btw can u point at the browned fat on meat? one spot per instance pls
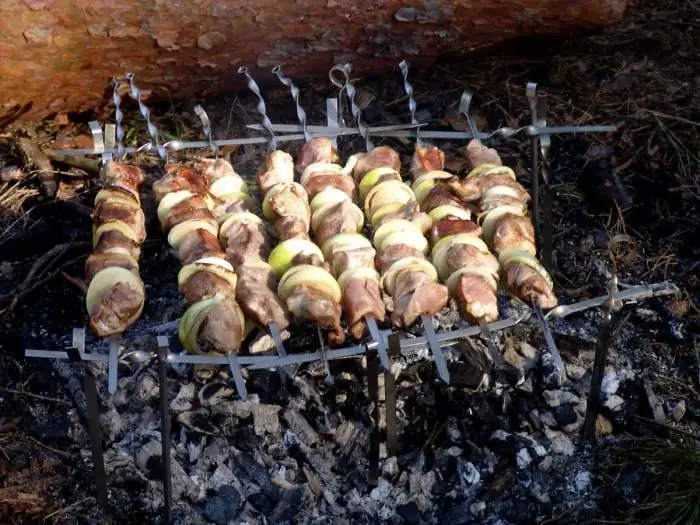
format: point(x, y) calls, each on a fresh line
point(188, 209)
point(116, 239)
point(410, 212)
point(257, 298)
point(340, 218)
point(309, 258)
point(318, 149)
point(311, 305)
point(99, 261)
point(425, 160)
point(244, 240)
point(117, 309)
point(478, 154)
point(362, 298)
point(292, 202)
point(113, 210)
point(472, 189)
point(514, 231)
point(441, 196)
point(379, 157)
point(123, 176)
point(354, 258)
point(203, 284)
point(320, 181)
point(199, 244)
point(181, 177)
point(416, 294)
point(394, 253)
point(476, 298)
point(221, 330)
point(278, 168)
point(291, 228)
point(525, 282)
point(467, 256)
point(222, 207)
point(452, 226)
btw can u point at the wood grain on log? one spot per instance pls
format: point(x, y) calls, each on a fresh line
point(59, 55)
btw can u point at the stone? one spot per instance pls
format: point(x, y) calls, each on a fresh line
point(201, 58)
point(560, 442)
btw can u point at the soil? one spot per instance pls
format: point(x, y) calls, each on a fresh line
point(626, 202)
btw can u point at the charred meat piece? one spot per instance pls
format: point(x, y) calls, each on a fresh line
point(478, 154)
point(395, 253)
point(278, 167)
point(451, 226)
point(199, 244)
point(416, 294)
point(472, 189)
point(120, 306)
point(425, 160)
point(525, 283)
point(112, 210)
point(122, 176)
point(309, 304)
point(320, 181)
point(203, 284)
point(256, 295)
point(514, 231)
point(291, 228)
point(244, 241)
point(379, 157)
point(476, 298)
point(318, 149)
point(222, 330)
point(362, 298)
point(410, 212)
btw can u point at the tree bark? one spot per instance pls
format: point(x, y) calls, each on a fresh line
point(59, 55)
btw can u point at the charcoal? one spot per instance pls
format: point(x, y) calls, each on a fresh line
point(265, 419)
point(253, 471)
point(222, 508)
point(300, 426)
point(289, 504)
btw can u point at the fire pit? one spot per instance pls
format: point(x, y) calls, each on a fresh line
point(246, 437)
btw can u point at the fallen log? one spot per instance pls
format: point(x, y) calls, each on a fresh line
point(58, 56)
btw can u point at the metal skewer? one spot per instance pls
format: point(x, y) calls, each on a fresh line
point(301, 115)
point(272, 146)
point(340, 76)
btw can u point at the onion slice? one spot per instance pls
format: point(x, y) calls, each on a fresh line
point(214, 265)
point(450, 209)
point(283, 254)
point(171, 200)
point(372, 177)
point(105, 280)
point(180, 231)
point(369, 274)
point(388, 192)
point(388, 280)
point(311, 276)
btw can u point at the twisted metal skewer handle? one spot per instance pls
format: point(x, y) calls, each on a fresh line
point(344, 71)
point(118, 118)
point(301, 114)
point(206, 127)
point(262, 109)
point(146, 113)
point(412, 106)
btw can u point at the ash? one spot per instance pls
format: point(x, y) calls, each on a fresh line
point(297, 452)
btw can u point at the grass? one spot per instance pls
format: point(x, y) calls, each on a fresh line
point(673, 495)
point(12, 215)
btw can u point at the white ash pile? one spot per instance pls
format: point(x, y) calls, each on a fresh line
point(475, 450)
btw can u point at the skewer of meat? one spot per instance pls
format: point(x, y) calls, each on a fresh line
point(115, 292)
point(214, 321)
point(336, 222)
point(506, 227)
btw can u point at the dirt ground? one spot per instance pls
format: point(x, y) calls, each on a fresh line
point(631, 198)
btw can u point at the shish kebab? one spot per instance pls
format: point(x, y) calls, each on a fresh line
point(336, 222)
point(463, 261)
point(399, 229)
point(214, 321)
point(308, 289)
